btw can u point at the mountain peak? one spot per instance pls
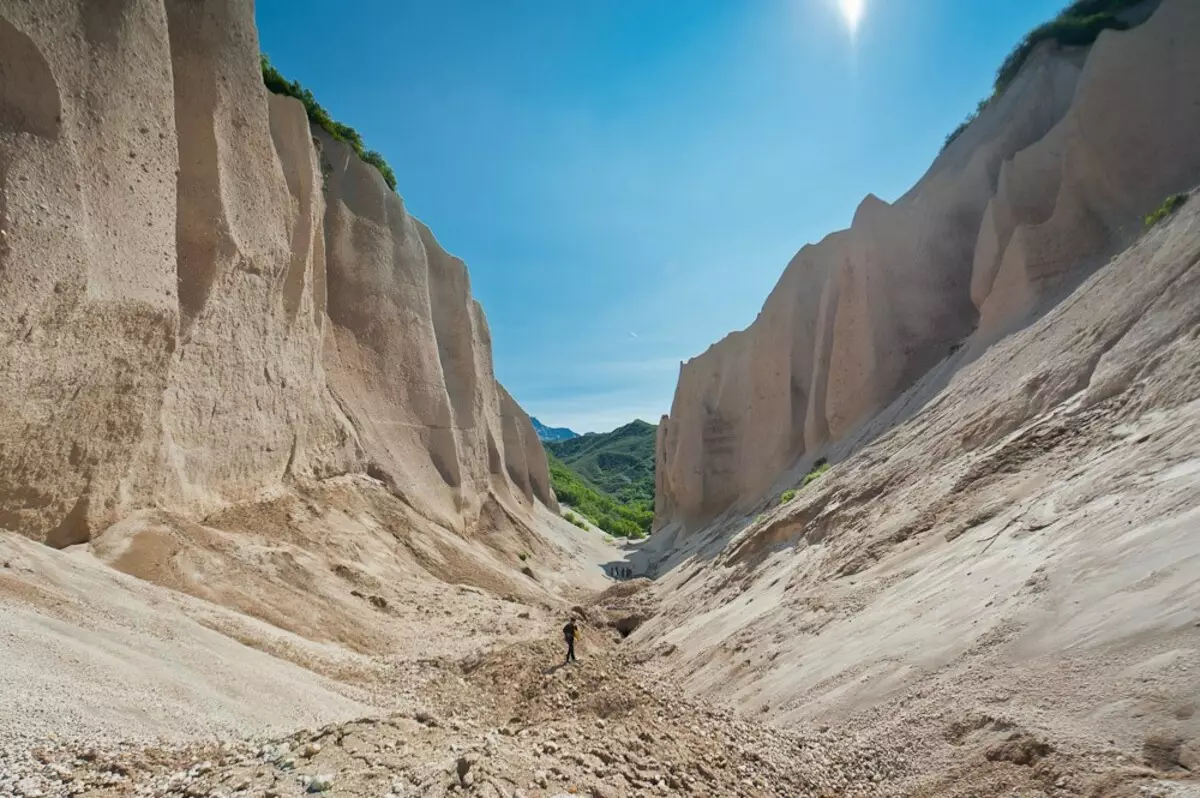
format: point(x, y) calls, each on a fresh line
point(545, 433)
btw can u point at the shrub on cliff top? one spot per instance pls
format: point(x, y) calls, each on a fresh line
point(1077, 25)
point(1069, 30)
point(317, 115)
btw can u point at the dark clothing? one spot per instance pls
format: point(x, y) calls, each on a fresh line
point(569, 636)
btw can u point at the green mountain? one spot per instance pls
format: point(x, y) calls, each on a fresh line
point(608, 477)
point(619, 463)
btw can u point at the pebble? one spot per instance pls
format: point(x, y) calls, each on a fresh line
point(321, 783)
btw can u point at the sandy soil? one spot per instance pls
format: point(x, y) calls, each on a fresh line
point(302, 621)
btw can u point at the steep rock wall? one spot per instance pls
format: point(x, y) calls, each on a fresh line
point(246, 403)
point(1052, 176)
point(88, 301)
point(166, 293)
point(409, 353)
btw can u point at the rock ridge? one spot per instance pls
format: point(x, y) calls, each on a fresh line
point(1052, 178)
point(203, 299)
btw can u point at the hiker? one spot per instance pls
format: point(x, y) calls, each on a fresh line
point(569, 634)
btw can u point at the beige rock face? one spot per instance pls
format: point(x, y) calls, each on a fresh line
point(409, 354)
point(246, 404)
point(1049, 179)
point(88, 301)
point(173, 332)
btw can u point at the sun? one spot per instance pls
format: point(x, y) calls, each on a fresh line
point(852, 10)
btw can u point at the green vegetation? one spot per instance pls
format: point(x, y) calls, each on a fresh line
point(1170, 205)
point(576, 520)
point(522, 556)
point(958, 131)
point(818, 469)
point(1077, 25)
point(817, 472)
point(608, 478)
point(614, 517)
point(618, 463)
point(317, 115)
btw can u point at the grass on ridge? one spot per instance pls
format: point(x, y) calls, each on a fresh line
point(1077, 25)
point(317, 115)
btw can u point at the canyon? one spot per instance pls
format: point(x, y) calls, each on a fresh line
point(269, 525)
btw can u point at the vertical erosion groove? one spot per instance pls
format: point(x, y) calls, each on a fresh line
point(29, 97)
point(203, 240)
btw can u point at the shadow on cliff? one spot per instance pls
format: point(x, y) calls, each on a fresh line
point(637, 563)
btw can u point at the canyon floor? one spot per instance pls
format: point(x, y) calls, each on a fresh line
point(994, 591)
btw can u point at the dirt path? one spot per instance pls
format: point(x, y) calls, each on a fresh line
point(512, 722)
point(515, 721)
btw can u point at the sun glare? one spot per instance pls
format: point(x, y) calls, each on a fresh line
point(852, 10)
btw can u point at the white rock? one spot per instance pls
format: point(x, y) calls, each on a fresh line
point(321, 783)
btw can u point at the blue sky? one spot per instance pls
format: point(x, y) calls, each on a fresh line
point(627, 179)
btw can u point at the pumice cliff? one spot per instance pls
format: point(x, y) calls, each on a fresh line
point(202, 300)
point(409, 354)
point(1050, 180)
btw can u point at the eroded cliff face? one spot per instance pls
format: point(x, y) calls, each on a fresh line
point(1050, 179)
point(188, 318)
point(409, 354)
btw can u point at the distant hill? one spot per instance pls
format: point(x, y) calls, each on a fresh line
point(545, 433)
point(619, 464)
point(626, 520)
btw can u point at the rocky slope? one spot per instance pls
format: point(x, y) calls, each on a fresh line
point(1049, 181)
point(547, 434)
point(200, 302)
point(998, 574)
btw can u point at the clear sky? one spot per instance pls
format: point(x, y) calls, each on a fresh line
point(626, 179)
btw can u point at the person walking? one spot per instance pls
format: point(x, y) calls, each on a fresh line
point(569, 635)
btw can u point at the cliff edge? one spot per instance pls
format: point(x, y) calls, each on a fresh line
point(202, 301)
point(1050, 180)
